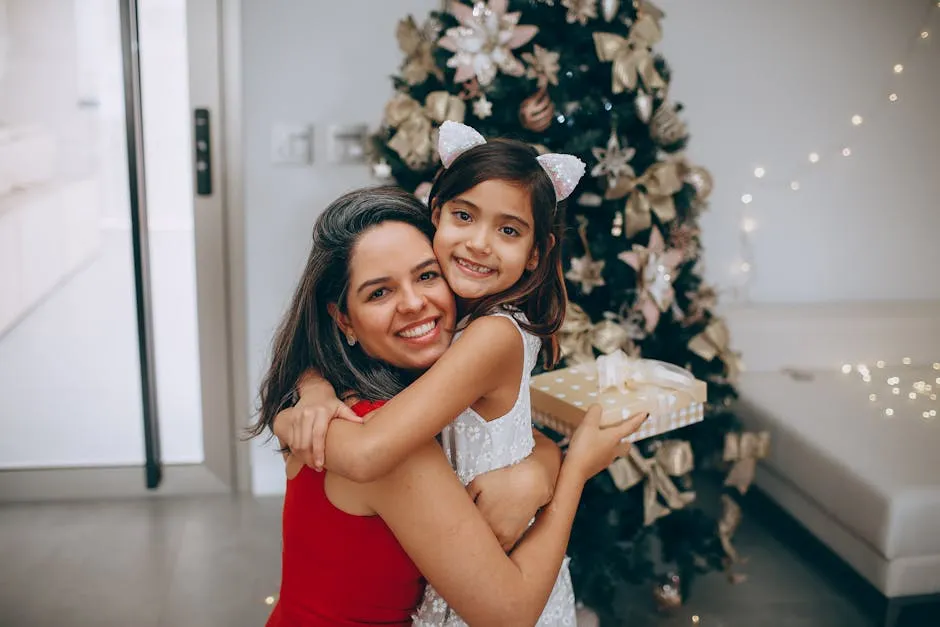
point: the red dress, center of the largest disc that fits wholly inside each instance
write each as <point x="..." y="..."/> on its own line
<point x="339" y="569"/>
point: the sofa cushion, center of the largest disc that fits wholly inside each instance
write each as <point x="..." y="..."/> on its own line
<point x="877" y="475"/>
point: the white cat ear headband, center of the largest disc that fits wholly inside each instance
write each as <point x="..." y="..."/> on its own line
<point x="564" y="170"/>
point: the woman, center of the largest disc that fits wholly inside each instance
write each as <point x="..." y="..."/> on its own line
<point x="353" y="551"/>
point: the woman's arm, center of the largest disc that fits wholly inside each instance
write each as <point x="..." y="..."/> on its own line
<point x="428" y="510"/>
<point x="432" y="517"/>
<point x="489" y="351"/>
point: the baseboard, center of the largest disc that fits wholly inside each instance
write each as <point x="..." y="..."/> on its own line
<point x="71" y="484"/>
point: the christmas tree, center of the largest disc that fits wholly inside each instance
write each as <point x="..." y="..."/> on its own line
<point x="582" y="77"/>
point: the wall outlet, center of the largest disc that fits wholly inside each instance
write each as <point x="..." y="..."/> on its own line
<point x="347" y="144"/>
<point x="291" y="144"/>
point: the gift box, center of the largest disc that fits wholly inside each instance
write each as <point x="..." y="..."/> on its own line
<point x="623" y="387"/>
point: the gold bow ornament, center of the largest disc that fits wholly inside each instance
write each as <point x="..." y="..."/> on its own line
<point x="701" y="180"/>
<point x="579" y="336"/>
<point x="651" y="192"/>
<point x="645" y="7"/>
<point x="575" y="336"/>
<point x="632" y="56"/>
<point x="727" y="526"/>
<point x="714" y="342"/>
<point x="744" y="449"/>
<point x="673" y="459"/>
<point x="418" y="46"/>
<point x="414" y="125"/>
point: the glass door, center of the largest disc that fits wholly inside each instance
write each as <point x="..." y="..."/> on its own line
<point x="113" y="338"/>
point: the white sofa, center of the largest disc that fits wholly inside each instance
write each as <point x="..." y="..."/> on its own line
<point x="860" y="473"/>
<point x="28" y="157"/>
<point x="47" y="232"/>
<point x="48" y="228"/>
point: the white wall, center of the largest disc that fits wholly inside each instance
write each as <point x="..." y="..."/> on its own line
<point x="4" y="39"/>
<point x="309" y="63"/>
<point x="764" y="83"/>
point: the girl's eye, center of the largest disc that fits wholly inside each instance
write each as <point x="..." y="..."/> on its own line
<point x="429" y="275"/>
<point x="510" y="231"/>
<point x="463" y="216"/>
<point x="379" y="293"/>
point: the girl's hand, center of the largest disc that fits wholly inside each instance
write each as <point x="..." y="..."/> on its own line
<point x="303" y="428"/>
<point x="593" y="449"/>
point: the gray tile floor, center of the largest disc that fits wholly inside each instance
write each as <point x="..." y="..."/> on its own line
<point x="213" y="561"/>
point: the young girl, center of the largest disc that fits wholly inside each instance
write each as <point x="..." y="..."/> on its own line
<point x="499" y="226"/>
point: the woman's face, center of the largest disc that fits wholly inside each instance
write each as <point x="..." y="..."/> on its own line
<point x="399" y="308"/>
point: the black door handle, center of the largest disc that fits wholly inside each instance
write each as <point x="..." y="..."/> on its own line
<point x="203" y="161"/>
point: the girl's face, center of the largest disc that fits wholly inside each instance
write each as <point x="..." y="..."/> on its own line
<point x="485" y="239"/>
<point x="398" y="306"/>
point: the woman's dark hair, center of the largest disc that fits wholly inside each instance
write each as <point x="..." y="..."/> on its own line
<point x="541" y="293"/>
<point x="307" y="336"/>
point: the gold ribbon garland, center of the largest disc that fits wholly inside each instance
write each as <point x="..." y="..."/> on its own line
<point x="744" y="449"/>
<point x="653" y="191"/>
<point x="631" y="56"/>
<point x="714" y="342"/>
<point x="673" y="459"/>
<point x="414" y="139"/>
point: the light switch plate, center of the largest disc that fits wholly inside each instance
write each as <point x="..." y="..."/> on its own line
<point x="347" y="144"/>
<point x="292" y="144"/>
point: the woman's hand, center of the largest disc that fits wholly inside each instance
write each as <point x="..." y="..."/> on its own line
<point x="592" y="449"/>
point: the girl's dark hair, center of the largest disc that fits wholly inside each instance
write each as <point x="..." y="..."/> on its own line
<point x="307" y="336"/>
<point x="541" y="293"/>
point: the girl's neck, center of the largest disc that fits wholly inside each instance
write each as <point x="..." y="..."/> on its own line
<point x="464" y="305"/>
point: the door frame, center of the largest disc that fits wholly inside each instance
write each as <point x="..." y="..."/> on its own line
<point x="241" y="397"/>
<point x="214" y="51"/>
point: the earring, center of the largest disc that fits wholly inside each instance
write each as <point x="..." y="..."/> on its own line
<point x="351" y="339"/>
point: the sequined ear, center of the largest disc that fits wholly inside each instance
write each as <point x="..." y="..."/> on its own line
<point x="564" y="170"/>
<point x="454" y="139"/>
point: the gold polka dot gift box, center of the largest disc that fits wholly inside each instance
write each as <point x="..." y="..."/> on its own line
<point x="622" y="386"/>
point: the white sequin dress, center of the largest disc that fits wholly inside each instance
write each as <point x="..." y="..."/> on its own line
<point x="475" y="446"/>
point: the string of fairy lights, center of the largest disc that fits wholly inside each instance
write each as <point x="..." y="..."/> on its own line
<point x="885" y="98"/>
<point x="906" y="387"/>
